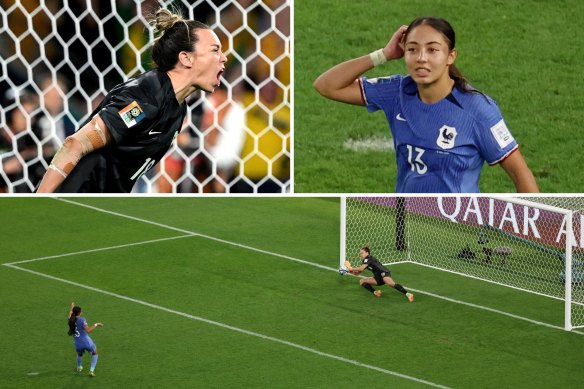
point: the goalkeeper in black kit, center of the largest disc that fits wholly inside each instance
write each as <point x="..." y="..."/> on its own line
<point x="136" y="123"/>
<point x="381" y="275"/>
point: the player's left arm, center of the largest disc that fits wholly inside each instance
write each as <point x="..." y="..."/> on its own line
<point x="516" y="167"/>
<point x="89" y="329"/>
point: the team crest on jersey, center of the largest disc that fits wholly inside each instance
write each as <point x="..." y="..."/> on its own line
<point x="132" y="114"/>
<point x="446" y="137"/>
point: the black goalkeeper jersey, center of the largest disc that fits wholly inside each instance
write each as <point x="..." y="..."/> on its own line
<point x="374" y="265"/>
<point x="143" y="117"/>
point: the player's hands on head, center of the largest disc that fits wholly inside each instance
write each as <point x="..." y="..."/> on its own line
<point x="395" y="47"/>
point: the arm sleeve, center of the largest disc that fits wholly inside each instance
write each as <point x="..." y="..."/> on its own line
<point x="380" y="93"/>
<point x="128" y="112"/>
<point x="495" y="141"/>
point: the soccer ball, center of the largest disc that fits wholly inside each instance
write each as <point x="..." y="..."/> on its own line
<point x="342" y="271"/>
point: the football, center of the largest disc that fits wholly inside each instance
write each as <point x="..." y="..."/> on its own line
<point x="342" y="271"/>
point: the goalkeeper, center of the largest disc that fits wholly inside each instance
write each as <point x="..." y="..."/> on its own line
<point x="136" y="123"/>
<point x="381" y="275"/>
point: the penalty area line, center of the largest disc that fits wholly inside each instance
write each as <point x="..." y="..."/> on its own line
<point x="196" y="233"/>
<point x="100" y="249"/>
<point x="232" y="328"/>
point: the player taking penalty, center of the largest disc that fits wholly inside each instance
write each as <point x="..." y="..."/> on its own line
<point x="136" y="123"/>
<point x="381" y="275"/>
<point x="80" y="331"/>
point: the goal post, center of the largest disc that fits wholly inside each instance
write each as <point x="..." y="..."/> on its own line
<point x="531" y="244"/>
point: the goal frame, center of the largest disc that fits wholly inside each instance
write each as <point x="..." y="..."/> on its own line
<point x="568" y="215"/>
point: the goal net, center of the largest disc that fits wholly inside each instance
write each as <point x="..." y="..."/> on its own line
<point x="59" y="58"/>
<point x="522" y="243"/>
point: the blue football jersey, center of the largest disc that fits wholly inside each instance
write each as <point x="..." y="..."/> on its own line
<point x="81" y="336"/>
<point x="440" y="147"/>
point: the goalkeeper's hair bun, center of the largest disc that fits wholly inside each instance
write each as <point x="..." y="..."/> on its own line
<point x="174" y="34"/>
<point x="164" y="19"/>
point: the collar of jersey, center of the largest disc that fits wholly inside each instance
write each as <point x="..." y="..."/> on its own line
<point x="410" y="88"/>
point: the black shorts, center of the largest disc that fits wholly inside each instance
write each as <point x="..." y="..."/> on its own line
<point x="379" y="277"/>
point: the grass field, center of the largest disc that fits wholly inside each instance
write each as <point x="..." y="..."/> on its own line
<point x="244" y="292"/>
<point x="522" y="53"/>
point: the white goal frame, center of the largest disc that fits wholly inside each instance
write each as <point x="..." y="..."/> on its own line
<point x="570" y="239"/>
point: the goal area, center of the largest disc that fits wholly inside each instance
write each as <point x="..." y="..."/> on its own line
<point x="58" y="59"/>
<point x="534" y="244"/>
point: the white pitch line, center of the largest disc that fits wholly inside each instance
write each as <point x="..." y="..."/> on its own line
<point x="196" y="233"/>
<point x="232" y="328"/>
<point x="482" y="307"/>
<point x="314" y="264"/>
<point x="101" y="249"/>
<point x="494" y="311"/>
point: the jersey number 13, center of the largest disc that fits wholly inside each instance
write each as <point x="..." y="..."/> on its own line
<point x="416" y="162"/>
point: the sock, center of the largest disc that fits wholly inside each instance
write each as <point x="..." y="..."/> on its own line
<point x="79" y="360"/>
<point x="400" y="288"/>
<point x="368" y="287"/>
<point x="93" y="362"/>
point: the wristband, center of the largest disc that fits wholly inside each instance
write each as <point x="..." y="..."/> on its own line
<point x="378" y="57"/>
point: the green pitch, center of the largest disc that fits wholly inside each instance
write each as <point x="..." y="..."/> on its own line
<point x="524" y="54"/>
<point x="244" y="292"/>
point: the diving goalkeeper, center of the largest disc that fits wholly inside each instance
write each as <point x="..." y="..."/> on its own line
<point x="381" y="275"/>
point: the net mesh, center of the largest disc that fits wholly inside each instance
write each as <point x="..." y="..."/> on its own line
<point x="60" y="58"/>
<point x="491" y="239"/>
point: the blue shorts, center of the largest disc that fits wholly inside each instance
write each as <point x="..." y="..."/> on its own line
<point x="85" y="345"/>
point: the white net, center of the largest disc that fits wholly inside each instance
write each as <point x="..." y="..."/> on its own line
<point x="506" y="241"/>
<point x="60" y="58"/>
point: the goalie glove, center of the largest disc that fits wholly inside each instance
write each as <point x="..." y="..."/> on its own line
<point x="348" y="266"/>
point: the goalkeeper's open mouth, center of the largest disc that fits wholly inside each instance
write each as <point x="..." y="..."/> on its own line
<point x="219" y="77"/>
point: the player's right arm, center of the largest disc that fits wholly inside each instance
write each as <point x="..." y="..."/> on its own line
<point x="341" y="82"/>
<point x="93" y="136"/>
<point x="359" y="270"/>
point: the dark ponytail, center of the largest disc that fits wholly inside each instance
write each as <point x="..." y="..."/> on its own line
<point x="73" y="319"/>
<point x="442" y="26"/>
<point x="459" y="80"/>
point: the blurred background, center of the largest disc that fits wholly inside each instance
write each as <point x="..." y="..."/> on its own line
<point x="58" y="59"/>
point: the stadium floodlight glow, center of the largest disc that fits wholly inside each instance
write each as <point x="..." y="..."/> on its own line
<point x="531" y="244"/>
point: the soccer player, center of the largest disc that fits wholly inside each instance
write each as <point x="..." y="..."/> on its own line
<point x="381" y="275"/>
<point x="443" y="129"/>
<point x="80" y="330"/>
<point x="136" y="123"/>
